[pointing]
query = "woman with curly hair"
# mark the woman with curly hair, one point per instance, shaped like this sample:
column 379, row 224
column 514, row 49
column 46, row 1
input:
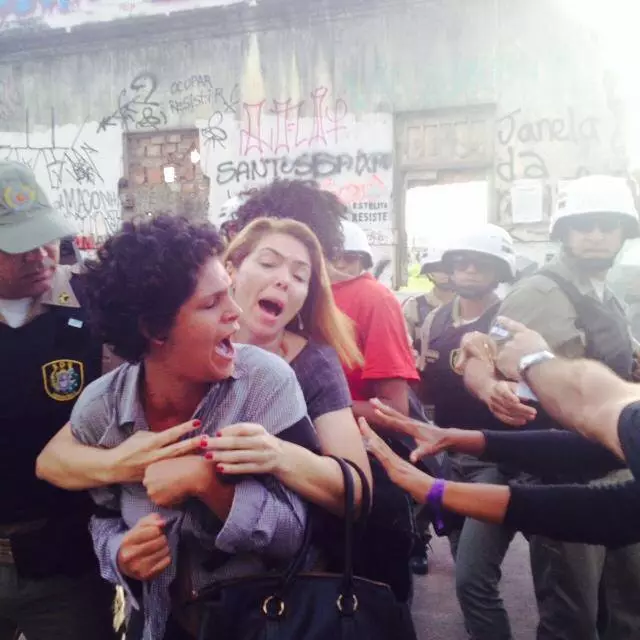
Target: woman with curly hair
column 159, row 295
column 281, row 283
column 300, row 200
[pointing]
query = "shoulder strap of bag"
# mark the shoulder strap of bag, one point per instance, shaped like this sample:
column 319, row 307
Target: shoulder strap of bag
column 568, row 288
column 366, row 489
column 425, row 333
column 574, row 295
column 349, row 516
column 423, row 308
column 619, row 304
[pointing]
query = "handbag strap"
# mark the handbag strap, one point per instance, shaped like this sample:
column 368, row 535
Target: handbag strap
column 349, row 516
column 365, row 508
column 349, row 519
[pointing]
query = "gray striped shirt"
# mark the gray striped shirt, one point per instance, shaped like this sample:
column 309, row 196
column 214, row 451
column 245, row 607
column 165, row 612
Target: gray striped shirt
column 266, row 519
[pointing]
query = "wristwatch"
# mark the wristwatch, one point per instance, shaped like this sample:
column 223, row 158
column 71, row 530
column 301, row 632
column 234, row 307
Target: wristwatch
column 533, row 359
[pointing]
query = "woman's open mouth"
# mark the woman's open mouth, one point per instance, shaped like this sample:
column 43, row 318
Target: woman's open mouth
column 225, row 349
column 271, row 307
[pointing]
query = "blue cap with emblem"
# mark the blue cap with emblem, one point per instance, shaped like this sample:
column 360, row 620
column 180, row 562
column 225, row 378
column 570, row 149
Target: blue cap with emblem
column 27, row 219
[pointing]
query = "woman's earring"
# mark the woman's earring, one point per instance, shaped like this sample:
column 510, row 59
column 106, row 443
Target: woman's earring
column 300, row 323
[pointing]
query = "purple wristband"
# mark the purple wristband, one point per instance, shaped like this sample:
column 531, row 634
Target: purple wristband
column 434, row 500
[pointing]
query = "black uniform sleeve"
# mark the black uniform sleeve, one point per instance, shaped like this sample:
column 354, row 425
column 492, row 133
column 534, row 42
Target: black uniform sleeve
column 546, row 453
column 602, row 515
column 629, row 434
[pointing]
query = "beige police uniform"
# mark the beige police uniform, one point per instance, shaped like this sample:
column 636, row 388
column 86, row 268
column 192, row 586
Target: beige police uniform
column 568, row 576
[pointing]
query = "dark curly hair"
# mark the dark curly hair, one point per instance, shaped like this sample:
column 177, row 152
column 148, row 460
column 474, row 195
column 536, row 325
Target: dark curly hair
column 142, row 276
column 301, row 200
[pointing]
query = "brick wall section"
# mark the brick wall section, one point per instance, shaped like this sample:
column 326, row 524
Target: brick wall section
column 144, row 191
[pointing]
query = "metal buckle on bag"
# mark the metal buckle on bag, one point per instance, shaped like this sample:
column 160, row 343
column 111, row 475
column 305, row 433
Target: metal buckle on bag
column 354, row 604
column 6, row 552
column 273, row 607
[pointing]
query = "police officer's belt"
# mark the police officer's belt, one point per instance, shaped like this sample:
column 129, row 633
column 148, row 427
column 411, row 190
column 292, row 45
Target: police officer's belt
column 7, row 531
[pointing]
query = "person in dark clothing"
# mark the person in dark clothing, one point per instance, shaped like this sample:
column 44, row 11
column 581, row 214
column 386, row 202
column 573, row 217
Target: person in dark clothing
column 478, row 261
column 581, row 395
column 562, row 512
column 417, row 308
column 50, row 586
column 570, row 303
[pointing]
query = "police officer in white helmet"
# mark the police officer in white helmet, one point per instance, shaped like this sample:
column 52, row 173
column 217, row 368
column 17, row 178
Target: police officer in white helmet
column 226, row 218
column 569, row 303
column 356, row 255
column 418, row 307
column 478, row 261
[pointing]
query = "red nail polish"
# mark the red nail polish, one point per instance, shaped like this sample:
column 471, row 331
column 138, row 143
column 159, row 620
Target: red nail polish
column 204, row 442
column 218, row 435
column 196, row 423
column 208, row 455
column 219, row 468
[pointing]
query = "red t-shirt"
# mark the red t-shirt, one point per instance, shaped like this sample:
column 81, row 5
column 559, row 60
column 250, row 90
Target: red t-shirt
column 381, row 333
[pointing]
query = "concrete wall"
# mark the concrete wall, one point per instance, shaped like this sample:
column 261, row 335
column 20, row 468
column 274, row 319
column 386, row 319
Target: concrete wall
column 310, row 96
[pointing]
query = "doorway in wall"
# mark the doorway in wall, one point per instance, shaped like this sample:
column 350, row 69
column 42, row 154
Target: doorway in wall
column 444, row 172
column 163, row 175
column 434, row 212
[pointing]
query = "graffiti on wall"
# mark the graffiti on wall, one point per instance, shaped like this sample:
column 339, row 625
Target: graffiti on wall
column 315, row 138
column 188, row 94
column 316, row 165
column 282, row 127
column 548, row 149
column 74, row 169
column 65, row 14
column 138, row 107
column 247, row 144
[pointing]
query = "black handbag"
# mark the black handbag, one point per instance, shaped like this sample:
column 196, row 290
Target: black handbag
column 297, row 605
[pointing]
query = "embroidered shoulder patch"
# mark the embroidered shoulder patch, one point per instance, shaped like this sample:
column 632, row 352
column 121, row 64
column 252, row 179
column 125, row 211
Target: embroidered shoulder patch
column 63, row 379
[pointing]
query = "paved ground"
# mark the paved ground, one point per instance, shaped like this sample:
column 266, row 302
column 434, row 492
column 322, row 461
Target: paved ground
column 437, row 614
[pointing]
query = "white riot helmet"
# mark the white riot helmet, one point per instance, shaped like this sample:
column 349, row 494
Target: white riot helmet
column 355, row 241
column 432, row 261
column 229, row 208
column 431, row 264
column 489, row 240
column 604, row 195
column 226, row 217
